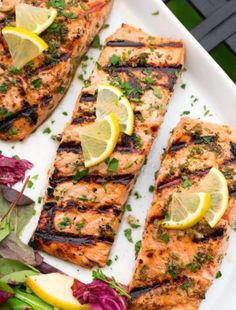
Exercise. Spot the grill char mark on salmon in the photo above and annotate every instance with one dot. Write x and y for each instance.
(53, 70)
(89, 202)
(174, 268)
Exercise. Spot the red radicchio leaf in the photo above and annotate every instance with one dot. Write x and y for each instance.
(99, 295)
(4, 296)
(13, 170)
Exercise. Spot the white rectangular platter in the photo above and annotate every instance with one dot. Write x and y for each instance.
(204, 80)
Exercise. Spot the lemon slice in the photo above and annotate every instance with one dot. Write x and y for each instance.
(55, 289)
(99, 139)
(34, 19)
(23, 45)
(186, 209)
(111, 99)
(215, 183)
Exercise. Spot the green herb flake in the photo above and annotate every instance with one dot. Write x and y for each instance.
(54, 27)
(40, 199)
(137, 247)
(64, 223)
(183, 86)
(128, 207)
(157, 93)
(12, 131)
(3, 88)
(79, 175)
(65, 113)
(113, 165)
(58, 4)
(137, 195)
(185, 286)
(186, 182)
(115, 60)
(165, 238)
(138, 142)
(79, 226)
(47, 130)
(30, 184)
(96, 42)
(14, 70)
(37, 83)
(83, 198)
(109, 262)
(128, 234)
(70, 15)
(185, 113)
(151, 188)
(219, 274)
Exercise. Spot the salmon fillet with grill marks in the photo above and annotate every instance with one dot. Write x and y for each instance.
(27, 98)
(174, 268)
(80, 219)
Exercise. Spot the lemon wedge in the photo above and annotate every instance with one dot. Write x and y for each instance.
(23, 45)
(215, 183)
(111, 99)
(55, 289)
(34, 19)
(99, 139)
(186, 209)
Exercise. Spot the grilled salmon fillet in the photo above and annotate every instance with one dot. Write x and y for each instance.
(83, 208)
(29, 96)
(174, 268)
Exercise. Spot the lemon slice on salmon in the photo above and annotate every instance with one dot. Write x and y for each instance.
(34, 19)
(215, 183)
(99, 139)
(186, 209)
(23, 45)
(111, 99)
(55, 289)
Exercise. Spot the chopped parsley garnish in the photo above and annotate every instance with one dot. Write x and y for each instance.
(157, 92)
(3, 88)
(137, 195)
(99, 275)
(138, 142)
(185, 113)
(59, 4)
(40, 199)
(155, 13)
(149, 80)
(30, 184)
(165, 238)
(137, 246)
(105, 26)
(37, 83)
(219, 274)
(83, 198)
(96, 42)
(128, 207)
(113, 165)
(64, 223)
(14, 70)
(185, 286)
(173, 269)
(87, 83)
(79, 175)
(79, 226)
(183, 85)
(47, 130)
(12, 131)
(4, 112)
(186, 182)
(99, 66)
(128, 234)
(60, 89)
(109, 262)
(70, 15)
(64, 113)
(82, 5)
(115, 60)
(151, 188)
(54, 27)
(140, 117)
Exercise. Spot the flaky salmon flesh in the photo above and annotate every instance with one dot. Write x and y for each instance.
(174, 268)
(83, 208)
(28, 97)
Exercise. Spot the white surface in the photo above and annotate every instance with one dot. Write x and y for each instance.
(204, 79)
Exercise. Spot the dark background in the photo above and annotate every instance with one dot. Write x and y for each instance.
(213, 24)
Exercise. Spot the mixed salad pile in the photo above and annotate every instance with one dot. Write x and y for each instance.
(24, 276)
